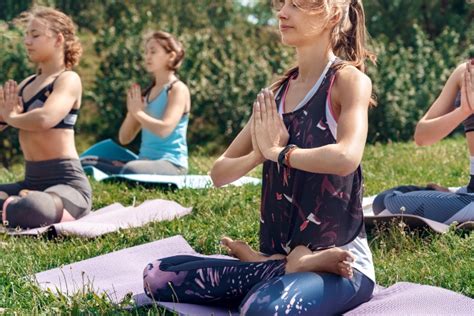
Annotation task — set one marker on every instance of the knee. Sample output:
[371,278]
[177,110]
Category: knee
[34,210]
[157,282]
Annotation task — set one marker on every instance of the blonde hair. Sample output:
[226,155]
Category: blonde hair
[59,23]
[348,36]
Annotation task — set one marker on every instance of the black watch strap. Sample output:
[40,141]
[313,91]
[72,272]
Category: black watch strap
[281,155]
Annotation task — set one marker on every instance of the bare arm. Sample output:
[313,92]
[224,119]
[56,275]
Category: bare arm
[129,129]
[237,160]
[178,101]
[442,118]
[66,93]
[351,90]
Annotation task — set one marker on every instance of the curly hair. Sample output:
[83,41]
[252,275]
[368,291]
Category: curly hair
[59,23]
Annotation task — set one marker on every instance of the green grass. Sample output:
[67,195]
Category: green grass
[441,260]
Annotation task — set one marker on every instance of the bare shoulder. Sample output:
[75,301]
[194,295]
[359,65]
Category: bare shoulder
[350,76]
[69,80]
[351,86]
[179,87]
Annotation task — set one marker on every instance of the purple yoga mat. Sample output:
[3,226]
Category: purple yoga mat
[112,218]
[406,298]
[120,273]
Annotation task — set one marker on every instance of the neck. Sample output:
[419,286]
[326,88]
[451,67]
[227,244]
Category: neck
[164,77]
[52,66]
[312,59]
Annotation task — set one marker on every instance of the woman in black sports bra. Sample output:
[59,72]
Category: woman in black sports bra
[44,108]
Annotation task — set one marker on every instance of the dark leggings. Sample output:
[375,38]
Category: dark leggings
[53,185]
[259,287]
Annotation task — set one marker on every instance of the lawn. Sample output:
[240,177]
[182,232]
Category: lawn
[442,260]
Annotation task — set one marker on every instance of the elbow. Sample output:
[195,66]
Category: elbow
[164,132]
[45,123]
[420,142]
[215,179]
[215,175]
[347,164]
[122,140]
[419,138]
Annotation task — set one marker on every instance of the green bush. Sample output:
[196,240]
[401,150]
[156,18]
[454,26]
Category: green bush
[408,79]
[13,65]
[224,68]
[234,51]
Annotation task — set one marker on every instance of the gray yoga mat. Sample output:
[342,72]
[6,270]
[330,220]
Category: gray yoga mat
[119,273]
[410,221]
[112,218]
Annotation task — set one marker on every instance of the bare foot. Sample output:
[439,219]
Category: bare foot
[241,250]
[24,192]
[333,260]
[437,187]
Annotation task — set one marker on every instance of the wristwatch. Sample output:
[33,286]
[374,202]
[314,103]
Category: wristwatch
[282,156]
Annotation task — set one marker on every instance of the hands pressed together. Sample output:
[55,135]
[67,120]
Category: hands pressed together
[10,103]
[135,100]
[467,88]
[269,133]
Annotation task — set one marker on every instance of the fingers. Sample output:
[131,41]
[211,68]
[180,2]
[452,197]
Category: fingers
[257,112]
[466,87]
[269,109]
[2,95]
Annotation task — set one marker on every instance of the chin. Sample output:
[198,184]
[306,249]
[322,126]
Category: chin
[288,41]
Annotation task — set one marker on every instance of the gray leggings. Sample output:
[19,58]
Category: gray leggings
[54,185]
[163,167]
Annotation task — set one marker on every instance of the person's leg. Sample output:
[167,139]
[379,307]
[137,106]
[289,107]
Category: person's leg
[192,279]
[75,203]
[378,204]
[434,205]
[307,293]
[469,129]
[162,167]
[35,209]
[7,190]
[105,165]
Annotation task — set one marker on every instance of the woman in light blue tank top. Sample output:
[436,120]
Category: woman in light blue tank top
[161,112]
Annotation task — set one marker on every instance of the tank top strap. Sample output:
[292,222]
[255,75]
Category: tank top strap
[170,85]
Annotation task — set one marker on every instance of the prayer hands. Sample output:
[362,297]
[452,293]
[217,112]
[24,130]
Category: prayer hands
[269,130]
[467,88]
[256,151]
[10,103]
[135,101]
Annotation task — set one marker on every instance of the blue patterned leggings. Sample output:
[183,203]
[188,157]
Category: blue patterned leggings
[443,207]
[259,287]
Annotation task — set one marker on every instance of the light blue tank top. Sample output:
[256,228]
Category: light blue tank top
[173,148]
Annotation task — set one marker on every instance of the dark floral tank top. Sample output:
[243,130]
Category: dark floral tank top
[303,208]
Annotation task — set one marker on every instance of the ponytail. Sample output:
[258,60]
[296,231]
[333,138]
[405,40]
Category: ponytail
[350,37]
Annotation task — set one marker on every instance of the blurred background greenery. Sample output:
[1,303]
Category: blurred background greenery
[232,51]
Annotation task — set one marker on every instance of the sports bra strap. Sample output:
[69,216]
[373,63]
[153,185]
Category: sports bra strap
[20,93]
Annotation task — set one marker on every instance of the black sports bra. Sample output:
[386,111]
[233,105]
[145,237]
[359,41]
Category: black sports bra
[38,100]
